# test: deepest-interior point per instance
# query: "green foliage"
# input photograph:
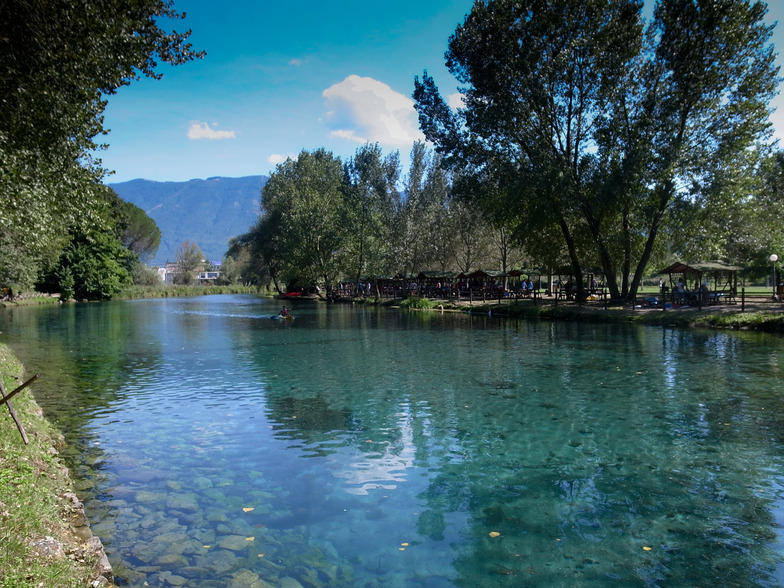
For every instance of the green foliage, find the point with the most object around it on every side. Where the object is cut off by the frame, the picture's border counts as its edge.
(58, 57)
(143, 275)
(303, 234)
(190, 260)
(93, 267)
(415, 303)
(30, 482)
(138, 232)
(58, 60)
(579, 122)
(231, 271)
(371, 202)
(178, 291)
(323, 222)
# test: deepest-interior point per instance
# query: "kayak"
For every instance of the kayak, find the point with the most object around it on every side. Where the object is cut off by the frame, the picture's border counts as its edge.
(277, 317)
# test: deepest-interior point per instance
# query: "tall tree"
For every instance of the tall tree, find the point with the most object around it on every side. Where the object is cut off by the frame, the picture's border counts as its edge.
(420, 216)
(138, 232)
(304, 218)
(372, 201)
(59, 59)
(190, 260)
(592, 123)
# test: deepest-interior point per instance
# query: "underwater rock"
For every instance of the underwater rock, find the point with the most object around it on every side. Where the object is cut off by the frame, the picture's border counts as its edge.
(216, 516)
(219, 561)
(146, 497)
(146, 552)
(234, 542)
(170, 579)
(202, 483)
(184, 502)
(247, 579)
(172, 560)
(307, 577)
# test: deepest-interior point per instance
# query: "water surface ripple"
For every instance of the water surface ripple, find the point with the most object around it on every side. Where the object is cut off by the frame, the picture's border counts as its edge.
(375, 448)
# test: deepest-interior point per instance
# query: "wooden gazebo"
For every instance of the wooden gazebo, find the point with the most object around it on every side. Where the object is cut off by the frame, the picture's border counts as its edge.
(705, 282)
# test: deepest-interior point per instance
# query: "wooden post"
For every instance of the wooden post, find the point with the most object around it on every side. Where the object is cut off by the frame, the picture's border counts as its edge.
(743, 299)
(18, 390)
(7, 398)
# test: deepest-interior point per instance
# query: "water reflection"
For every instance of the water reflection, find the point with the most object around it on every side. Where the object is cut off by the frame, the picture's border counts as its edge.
(358, 447)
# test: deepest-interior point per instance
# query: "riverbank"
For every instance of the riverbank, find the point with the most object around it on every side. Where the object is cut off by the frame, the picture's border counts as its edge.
(43, 530)
(758, 316)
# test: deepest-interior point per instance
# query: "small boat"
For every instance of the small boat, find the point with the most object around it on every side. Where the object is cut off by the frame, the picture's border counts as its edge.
(277, 317)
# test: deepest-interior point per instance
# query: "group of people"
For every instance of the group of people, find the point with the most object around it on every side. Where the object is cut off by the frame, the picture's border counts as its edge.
(701, 291)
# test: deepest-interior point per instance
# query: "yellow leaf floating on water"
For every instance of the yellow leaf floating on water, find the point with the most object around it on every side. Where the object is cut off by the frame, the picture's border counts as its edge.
(646, 548)
(404, 544)
(401, 548)
(207, 546)
(250, 539)
(261, 555)
(495, 534)
(247, 509)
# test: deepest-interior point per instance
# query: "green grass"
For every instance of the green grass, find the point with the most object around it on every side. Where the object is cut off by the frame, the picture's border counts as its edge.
(30, 301)
(173, 291)
(709, 317)
(413, 302)
(31, 479)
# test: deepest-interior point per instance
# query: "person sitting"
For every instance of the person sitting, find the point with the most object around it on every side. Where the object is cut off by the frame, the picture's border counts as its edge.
(681, 291)
(284, 311)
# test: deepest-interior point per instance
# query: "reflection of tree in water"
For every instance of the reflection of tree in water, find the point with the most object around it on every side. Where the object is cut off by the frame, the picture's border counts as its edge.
(670, 493)
(307, 419)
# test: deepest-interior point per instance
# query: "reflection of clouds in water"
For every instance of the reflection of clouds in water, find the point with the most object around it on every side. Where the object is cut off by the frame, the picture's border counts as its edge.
(362, 472)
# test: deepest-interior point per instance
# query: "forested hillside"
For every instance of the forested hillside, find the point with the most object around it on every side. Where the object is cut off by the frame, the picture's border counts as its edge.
(206, 212)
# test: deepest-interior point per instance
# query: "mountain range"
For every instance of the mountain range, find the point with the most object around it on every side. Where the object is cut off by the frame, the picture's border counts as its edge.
(206, 212)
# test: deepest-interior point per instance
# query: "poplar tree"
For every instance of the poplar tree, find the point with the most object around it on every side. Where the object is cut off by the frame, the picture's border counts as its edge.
(594, 123)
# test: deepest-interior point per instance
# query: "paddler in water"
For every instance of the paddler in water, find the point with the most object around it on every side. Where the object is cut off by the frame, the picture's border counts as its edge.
(284, 311)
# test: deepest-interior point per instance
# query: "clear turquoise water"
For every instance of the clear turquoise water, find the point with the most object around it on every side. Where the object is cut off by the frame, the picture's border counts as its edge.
(380, 448)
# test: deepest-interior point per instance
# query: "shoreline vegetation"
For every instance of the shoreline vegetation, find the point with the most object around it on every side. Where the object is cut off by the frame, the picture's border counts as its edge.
(45, 534)
(757, 313)
(759, 316)
(43, 529)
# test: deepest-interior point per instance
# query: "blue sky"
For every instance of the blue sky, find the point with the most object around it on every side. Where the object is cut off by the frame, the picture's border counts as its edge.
(280, 77)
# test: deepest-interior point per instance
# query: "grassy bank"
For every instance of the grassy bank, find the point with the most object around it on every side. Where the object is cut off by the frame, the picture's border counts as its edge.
(761, 317)
(174, 291)
(32, 481)
(771, 320)
(30, 301)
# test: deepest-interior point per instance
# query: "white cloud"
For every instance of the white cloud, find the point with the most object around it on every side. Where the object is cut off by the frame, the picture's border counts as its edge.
(277, 158)
(366, 110)
(202, 130)
(456, 101)
(296, 62)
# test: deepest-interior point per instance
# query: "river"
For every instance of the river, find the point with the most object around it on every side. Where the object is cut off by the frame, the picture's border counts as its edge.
(356, 446)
